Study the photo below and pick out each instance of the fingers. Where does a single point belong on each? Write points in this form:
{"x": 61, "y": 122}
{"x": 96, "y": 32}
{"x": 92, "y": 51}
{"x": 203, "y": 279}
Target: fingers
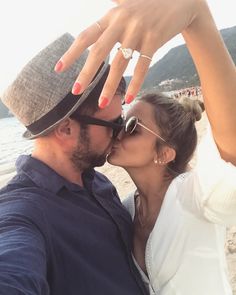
{"x": 140, "y": 72}
{"x": 117, "y": 2}
{"x": 83, "y": 41}
{"x": 97, "y": 55}
{"x": 118, "y": 66}
{"x": 120, "y": 24}
{"x": 117, "y": 69}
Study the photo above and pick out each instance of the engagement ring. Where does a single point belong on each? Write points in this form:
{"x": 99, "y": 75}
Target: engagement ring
{"x": 127, "y": 52}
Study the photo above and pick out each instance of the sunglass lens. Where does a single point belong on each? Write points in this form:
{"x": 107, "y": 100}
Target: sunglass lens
{"x": 131, "y": 125}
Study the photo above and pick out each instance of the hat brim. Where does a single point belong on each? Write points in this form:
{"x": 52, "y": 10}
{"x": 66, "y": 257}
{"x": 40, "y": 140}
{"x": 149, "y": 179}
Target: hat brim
{"x": 28, "y": 135}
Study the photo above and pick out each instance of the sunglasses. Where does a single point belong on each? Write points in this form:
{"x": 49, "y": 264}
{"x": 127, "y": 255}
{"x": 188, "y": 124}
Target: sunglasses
{"x": 133, "y": 122}
{"x": 116, "y": 125}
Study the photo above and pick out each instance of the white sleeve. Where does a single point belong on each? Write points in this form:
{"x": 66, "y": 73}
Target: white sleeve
{"x": 216, "y": 183}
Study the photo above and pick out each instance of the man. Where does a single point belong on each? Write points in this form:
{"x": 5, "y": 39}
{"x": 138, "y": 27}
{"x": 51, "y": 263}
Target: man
{"x": 63, "y": 230}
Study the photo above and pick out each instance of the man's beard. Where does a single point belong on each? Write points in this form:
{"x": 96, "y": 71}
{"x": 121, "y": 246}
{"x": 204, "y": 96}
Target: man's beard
{"x": 83, "y": 158}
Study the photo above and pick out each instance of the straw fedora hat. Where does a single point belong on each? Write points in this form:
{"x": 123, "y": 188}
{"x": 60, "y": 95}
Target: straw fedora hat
{"x": 41, "y": 98}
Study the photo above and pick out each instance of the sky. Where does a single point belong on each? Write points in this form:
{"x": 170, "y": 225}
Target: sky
{"x": 27, "y": 26}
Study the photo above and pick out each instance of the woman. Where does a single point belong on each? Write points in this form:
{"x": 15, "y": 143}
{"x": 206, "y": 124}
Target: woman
{"x": 178, "y": 216}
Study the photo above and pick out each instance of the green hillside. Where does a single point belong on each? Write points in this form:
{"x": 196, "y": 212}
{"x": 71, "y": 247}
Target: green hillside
{"x": 177, "y": 67}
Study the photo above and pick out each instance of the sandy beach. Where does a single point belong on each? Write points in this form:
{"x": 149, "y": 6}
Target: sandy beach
{"x": 124, "y": 185}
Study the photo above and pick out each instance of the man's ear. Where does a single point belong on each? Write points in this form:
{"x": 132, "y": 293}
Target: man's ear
{"x": 64, "y": 129}
{"x": 166, "y": 155}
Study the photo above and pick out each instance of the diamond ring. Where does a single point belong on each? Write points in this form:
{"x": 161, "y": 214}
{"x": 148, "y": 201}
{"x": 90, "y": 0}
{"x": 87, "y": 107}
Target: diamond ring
{"x": 127, "y": 52}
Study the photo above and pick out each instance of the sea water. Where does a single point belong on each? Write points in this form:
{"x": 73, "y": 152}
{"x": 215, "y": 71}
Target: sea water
{"x": 12, "y": 144}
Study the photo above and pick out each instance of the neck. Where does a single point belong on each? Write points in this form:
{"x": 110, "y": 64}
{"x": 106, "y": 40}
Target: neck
{"x": 57, "y": 160}
{"x": 151, "y": 187}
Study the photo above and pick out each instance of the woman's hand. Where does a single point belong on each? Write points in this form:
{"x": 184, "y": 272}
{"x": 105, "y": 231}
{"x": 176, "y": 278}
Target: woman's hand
{"x": 142, "y": 25}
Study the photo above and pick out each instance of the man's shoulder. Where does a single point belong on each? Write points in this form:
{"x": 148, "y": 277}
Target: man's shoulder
{"x": 19, "y": 184}
{"x": 20, "y": 196}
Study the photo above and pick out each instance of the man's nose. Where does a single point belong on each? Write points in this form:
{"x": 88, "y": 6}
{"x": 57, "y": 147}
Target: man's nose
{"x": 120, "y": 135}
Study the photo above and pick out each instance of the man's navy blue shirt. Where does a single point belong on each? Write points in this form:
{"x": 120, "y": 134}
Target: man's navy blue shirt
{"x": 59, "y": 238}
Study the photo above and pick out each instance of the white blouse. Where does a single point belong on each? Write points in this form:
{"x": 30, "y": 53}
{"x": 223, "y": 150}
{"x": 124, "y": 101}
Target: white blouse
{"x": 185, "y": 250}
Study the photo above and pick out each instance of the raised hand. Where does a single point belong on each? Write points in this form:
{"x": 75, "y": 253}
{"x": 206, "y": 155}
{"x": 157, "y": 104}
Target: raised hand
{"x": 142, "y": 25}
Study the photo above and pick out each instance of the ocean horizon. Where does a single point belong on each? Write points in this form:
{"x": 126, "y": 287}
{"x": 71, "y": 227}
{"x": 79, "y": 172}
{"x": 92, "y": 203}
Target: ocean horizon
{"x": 11, "y": 146}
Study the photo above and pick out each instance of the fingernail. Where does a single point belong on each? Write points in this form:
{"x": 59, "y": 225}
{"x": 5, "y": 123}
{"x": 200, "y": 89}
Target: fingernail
{"x": 103, "y": 102}
{"x": 129, "y": 98}
{"x": 58, "y": 66}
{"x": 76, "y": 88}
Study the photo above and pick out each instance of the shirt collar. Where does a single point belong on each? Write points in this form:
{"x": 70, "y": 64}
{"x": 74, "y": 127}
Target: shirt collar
{"x": 45, "y": 177}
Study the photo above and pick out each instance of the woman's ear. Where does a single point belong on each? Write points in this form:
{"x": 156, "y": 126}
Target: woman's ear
{"x": 166, "y": 155}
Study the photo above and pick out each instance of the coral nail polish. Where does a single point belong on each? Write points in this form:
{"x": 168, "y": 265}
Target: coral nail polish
{"x": 76, "y": 88}
{"x": 58, "y": 66}
{"x": 129, "y": 98}
{"x": 103, "y": 102}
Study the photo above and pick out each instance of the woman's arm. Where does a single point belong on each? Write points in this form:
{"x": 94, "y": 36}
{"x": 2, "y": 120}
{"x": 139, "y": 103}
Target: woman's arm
{"x": 218, "y": 79}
